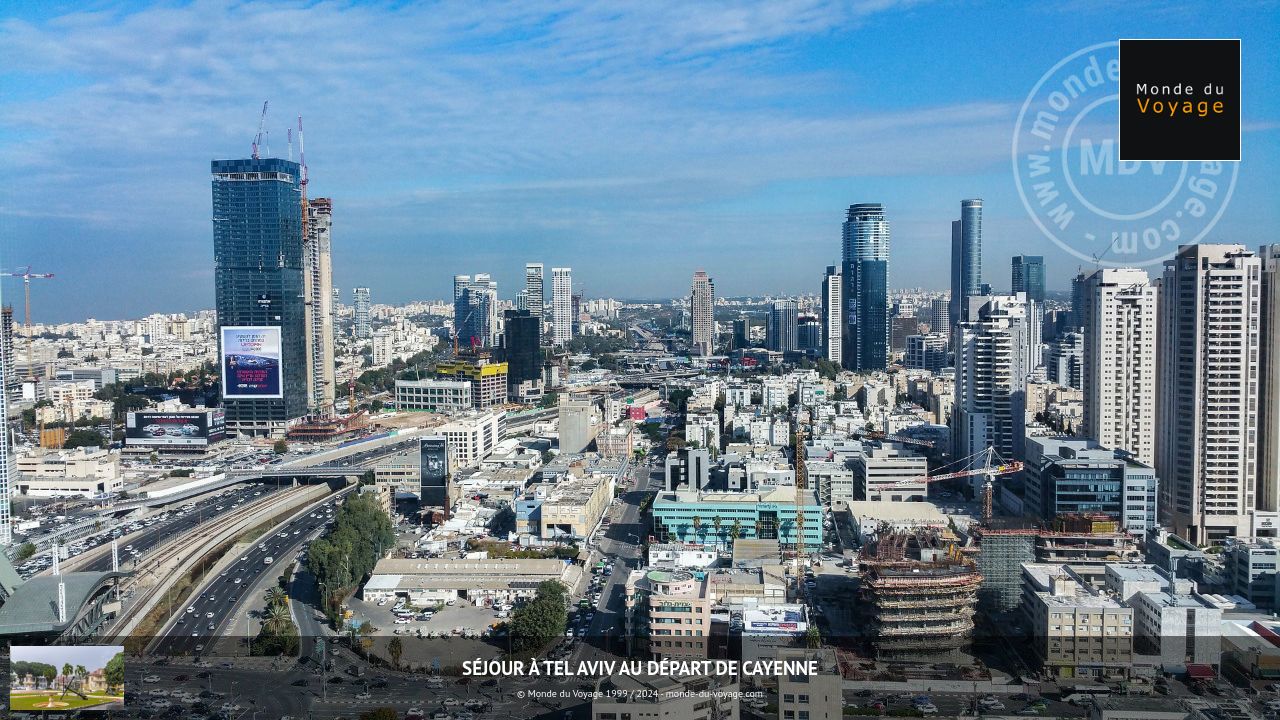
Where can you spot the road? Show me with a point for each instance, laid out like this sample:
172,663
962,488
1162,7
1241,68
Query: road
208,615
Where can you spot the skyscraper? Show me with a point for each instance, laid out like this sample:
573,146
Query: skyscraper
1269,390
475,310
995,352
865,267
521,335
534,289
258,283
360,299
9,371
742,332
7,467
940,315
317,284
966,259
832,325
1028,277
562,305
1119,368
1207,391
702,307
782,331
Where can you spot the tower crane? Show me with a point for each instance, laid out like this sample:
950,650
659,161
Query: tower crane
27,276
992,467
262,124
802,488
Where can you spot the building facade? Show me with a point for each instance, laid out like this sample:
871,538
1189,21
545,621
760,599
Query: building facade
782,333
317,286
702,310
535,293
1119,353
1028,277
832,325
442,396
865,269
995,353
562,305
1269,389
360,305
966,259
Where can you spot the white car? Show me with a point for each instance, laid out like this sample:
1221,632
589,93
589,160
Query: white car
151,679
402,621
238,581
208,615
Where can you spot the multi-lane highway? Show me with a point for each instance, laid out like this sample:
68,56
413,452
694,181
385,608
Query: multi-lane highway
212,613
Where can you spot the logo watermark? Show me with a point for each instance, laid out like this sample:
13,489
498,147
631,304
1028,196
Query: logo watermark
1082,196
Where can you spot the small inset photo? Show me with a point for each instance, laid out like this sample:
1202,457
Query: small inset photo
59,678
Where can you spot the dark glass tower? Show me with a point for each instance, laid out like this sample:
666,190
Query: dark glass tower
966,259
865,269
1028,277
257,253
521,333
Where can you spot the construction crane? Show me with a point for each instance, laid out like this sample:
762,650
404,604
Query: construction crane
992,466
802,487
262,124
877,435
27,276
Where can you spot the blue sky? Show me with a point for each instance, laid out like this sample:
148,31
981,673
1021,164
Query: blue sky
635,142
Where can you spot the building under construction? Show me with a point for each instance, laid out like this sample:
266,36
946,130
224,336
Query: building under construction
919,595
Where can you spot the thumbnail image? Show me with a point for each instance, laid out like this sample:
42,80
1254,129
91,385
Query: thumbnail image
66,678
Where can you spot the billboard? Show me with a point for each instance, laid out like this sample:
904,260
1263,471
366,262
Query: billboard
434,458
177,429
251,363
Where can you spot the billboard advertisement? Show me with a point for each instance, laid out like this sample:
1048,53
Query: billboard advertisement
434,457
176,429
251,363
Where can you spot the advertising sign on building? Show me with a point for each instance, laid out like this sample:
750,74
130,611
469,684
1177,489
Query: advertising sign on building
178,430
251,363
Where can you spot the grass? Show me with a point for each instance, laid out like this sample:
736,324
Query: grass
34,701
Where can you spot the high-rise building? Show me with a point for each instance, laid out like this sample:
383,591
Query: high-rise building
702,307
832,325
966,259
1028,277
809,333
782,333
940,315
521,335
742,333
926,352
534,289
7,466
258,282
865,268
562,305
360,298
1207,391
1269,389
475,310
1119,360
9,371
317,287
1064,361
996,352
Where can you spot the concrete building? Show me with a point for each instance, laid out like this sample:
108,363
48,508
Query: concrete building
443,396
617,442
1076,631
1179,628
889,471
361,305
472,437
561,305
1251,570
685,557
1269,389
574,507
475,311
535,293
576,427
488,378
768,513
1207,396
83,472
1119,360
434,582
832,318
702,310
383,348
669,610
317,286
926,352
782,332
688,469
1064,361
1066,476
817,696
629,697
996,352
920,609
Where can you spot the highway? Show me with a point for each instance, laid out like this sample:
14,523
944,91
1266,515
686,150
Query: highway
209,615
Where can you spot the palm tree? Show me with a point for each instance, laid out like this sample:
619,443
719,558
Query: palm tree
277,618
697,526
66,674
735,530
716,522
275,596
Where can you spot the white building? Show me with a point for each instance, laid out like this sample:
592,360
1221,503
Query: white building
702,309
562,305
83,472
444,396
472,437
534,290
360,300
1077,631
774,393
890,471
832,321
384,348
996,352
817,696
703,427
1269,391
680,555
1119,370
1206,442
317,287
432,582
1180,628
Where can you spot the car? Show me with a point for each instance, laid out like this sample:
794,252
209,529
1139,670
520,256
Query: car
191,609
364,695
927,708
211,627
151,679
1028,710
239,580
180,678
208,614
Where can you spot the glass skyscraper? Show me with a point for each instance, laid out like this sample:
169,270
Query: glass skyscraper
966,259
865,269
1028,277
258,277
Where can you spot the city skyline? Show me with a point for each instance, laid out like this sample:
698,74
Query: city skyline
92,140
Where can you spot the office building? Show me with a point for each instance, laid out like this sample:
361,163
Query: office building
317,286
702,309
521,337
575,423
995,353
442,396
817,696
782,333
966,259
865,268
926,352
1077,631
1118,316
1207,391
475,310
488,378
1064,361
1074,476
471,438
1028,277
534,291
889,471
1269,388
672,609
809,334
832,325
940,316
769,513
258,283
360,299
562,305
742,333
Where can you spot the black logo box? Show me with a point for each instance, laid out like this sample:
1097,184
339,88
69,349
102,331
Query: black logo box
1188,68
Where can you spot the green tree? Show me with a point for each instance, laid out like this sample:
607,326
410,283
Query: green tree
25,551
83,437
541,620
717,522
275,596
395,649
380,713
281,447
735,530
813,638
50,672
549,400
67,671
277,618
366,631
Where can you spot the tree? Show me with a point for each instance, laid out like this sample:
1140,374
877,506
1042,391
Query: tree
697,525
380,713
735,530
277,618
395,649
25,551
114,672
67,670
549,400
83,437
542,619
716,522
50,672
366,631
275,596
813,638
281,447
375,405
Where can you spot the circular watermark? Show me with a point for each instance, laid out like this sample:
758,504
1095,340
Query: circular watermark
1082,196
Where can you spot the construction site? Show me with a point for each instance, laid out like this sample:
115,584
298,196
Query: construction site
918,595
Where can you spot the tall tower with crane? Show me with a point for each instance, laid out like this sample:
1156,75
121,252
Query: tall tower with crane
27,276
